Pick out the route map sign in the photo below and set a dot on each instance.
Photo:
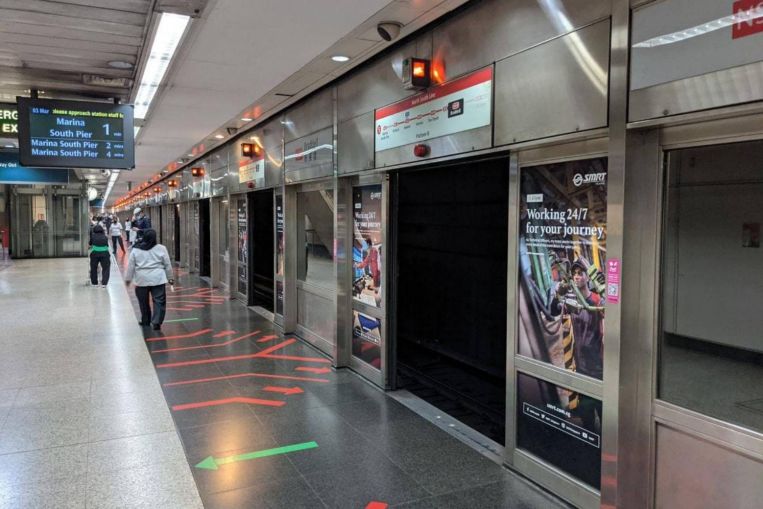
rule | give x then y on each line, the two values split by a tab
453	107
72	134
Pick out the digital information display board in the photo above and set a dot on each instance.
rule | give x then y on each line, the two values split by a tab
73	134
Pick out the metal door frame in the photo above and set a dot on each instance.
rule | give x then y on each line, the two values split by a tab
535	468
291	284
233	214
217	269
345	303
642	411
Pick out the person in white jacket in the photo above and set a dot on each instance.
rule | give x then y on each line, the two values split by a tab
115	230
150	268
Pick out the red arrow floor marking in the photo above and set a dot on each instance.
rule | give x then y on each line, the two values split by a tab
377	505
224	333
182	336
264	354
227	401
247	375
224	343
296	358
266	338
313	370
284	390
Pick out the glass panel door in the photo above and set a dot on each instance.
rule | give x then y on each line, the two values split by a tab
711	348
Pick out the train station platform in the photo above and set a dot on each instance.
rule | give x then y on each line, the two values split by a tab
218	409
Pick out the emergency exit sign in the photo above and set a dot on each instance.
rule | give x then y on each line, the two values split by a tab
9	121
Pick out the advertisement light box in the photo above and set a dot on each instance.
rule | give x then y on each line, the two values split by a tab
73	134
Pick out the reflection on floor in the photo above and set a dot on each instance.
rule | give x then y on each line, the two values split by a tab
727	388
266	422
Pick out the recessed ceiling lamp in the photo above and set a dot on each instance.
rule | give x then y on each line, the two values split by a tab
340	58
246	119
120	64
219	136
168	34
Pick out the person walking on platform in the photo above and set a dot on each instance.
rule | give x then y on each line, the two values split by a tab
116	235
140	223
150	268
99	255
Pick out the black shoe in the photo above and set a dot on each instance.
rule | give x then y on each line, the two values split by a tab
144	324
156	326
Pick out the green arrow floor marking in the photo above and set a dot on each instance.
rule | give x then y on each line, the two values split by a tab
181	320
212	463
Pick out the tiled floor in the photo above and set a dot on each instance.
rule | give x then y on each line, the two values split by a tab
101	433
83	422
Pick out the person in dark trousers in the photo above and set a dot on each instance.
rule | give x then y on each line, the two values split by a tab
150	268
140	223
99	254
116	235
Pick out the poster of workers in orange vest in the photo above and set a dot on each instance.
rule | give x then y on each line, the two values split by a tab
561	295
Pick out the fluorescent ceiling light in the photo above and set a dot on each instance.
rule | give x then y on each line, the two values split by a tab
340	58
747	16
219	136
112	179
246	119
168	34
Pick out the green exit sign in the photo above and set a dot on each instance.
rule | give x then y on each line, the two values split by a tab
9	121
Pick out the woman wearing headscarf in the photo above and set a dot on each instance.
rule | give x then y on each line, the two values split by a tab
99	254
149	267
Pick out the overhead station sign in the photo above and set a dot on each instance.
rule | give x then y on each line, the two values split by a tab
9	121
69	134
453	107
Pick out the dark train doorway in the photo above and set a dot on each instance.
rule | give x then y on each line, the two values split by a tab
205	245
450	249
262	265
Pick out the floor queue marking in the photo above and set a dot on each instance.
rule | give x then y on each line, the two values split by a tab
213	345
224	333
267	338
180	320
247	375
228	401
264	354
377	505
212	463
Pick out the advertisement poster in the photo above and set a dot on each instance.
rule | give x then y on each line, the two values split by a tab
367	244
562	258
561	427
279	235
243	243
366	338
456	106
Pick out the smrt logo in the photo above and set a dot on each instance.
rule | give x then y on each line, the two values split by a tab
590	178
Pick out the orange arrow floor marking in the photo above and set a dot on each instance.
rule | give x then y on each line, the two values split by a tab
224	333
228	401
267	338
182	336
224	343
284	390
264	354
313	370
247	375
